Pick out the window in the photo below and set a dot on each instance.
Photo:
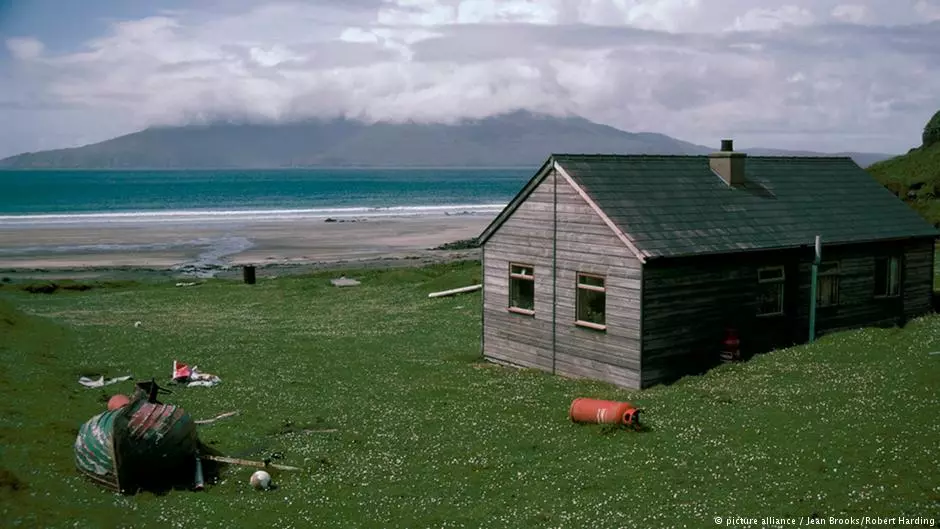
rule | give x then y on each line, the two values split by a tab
827	285
522	288
592	302
887	276
770	283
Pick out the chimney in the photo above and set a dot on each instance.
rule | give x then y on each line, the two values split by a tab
727	164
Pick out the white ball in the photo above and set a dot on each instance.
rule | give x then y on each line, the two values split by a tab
261	480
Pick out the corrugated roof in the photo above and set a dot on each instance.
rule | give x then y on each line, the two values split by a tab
671	206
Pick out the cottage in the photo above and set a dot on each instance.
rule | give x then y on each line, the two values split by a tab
631	269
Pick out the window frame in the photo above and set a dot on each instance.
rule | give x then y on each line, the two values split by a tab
781	284
577	301
899	279
833	274
520	276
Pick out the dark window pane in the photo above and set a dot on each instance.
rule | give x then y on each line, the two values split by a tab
770	298
523	270
592	306
591	280
522	293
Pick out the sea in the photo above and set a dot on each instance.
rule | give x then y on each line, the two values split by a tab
91	201
51	197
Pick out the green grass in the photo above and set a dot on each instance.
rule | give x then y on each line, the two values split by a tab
428	436
917	171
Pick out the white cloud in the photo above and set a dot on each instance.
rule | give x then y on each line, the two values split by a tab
929	9
762	19
24	48
778	79
852	13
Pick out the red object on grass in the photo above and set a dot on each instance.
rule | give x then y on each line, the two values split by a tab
118	401
596	411
181	371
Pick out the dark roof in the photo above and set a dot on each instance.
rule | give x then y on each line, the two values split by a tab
670	206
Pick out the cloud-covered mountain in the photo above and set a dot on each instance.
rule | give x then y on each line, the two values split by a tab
517	139
827	75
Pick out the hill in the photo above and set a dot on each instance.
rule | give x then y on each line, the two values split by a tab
517	139
915	177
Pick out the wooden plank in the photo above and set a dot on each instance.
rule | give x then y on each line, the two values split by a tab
623	359
581	368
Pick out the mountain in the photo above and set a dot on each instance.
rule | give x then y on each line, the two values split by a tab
517	139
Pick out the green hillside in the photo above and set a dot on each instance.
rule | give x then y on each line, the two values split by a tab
915	176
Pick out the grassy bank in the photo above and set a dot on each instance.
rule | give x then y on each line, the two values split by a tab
428	436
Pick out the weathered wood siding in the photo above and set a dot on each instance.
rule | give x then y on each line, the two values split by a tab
583	244
857	305
524	238
918	278
688	303
586	244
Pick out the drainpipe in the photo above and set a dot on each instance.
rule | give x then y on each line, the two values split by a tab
554	261
812	292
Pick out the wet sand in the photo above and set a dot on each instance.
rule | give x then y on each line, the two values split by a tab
221	245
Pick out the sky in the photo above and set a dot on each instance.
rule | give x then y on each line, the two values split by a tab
825	75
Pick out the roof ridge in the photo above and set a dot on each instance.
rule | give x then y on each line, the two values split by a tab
674	156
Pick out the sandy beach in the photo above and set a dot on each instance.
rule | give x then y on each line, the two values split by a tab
190	247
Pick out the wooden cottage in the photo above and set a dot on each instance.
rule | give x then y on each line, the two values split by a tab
631	269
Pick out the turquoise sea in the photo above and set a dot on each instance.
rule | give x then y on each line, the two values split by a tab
86	196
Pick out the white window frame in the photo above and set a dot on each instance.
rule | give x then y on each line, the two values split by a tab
832	274
781	285
521	276
888	277
577	302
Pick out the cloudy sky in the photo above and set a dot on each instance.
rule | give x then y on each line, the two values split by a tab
816	74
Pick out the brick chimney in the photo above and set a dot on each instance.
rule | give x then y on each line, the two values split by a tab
729	165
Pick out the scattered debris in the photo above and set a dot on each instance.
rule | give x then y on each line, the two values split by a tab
344	282
99	382
330	219
328	430
455	291
260	480
191	376
217	417
189	284
245	462
934	353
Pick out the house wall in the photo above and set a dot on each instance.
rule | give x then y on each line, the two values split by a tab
524	238
688	303
857	306
584	244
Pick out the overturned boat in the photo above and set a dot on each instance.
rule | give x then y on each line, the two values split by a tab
142	444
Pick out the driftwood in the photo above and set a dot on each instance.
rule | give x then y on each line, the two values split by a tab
246	462
217	417
454	291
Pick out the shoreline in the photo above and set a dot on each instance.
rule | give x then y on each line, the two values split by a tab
220	249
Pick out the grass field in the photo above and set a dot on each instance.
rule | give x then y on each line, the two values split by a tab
428	436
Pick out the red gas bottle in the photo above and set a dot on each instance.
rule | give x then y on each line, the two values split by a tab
596	411
731	346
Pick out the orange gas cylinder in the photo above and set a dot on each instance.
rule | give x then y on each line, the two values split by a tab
117	401
596	411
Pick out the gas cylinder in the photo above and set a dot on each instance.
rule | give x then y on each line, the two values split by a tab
584	410
730	350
